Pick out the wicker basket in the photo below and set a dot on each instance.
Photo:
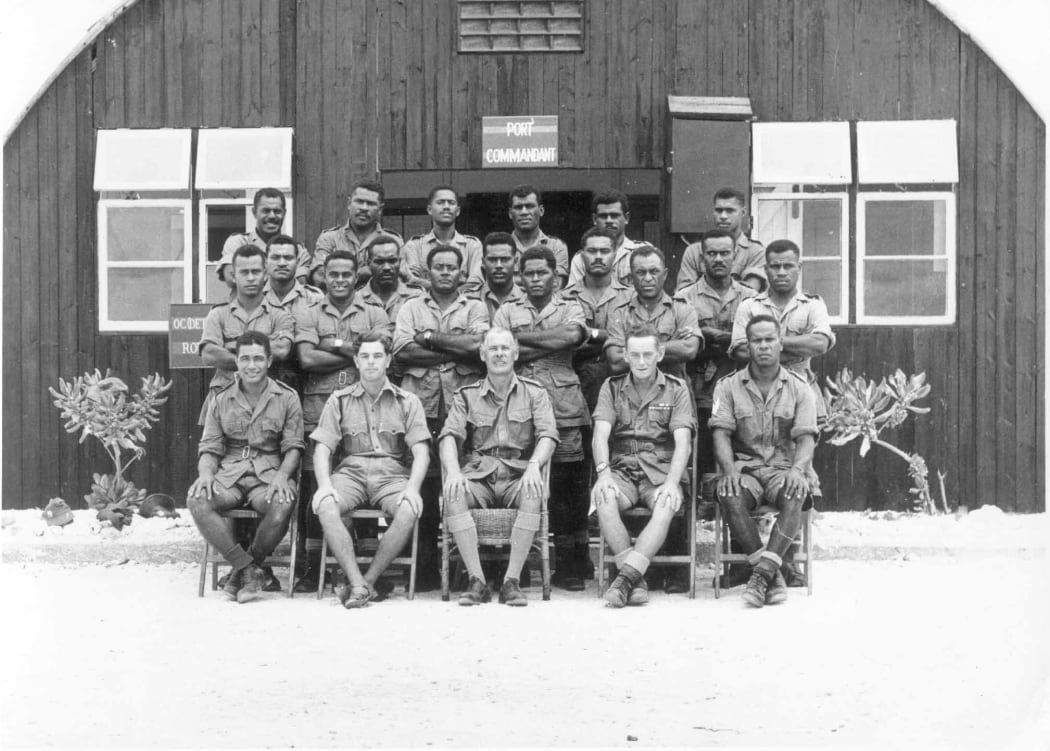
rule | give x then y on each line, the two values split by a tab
494	522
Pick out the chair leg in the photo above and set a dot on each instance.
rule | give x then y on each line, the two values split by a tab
545	553
601	562
412	566
324	567
719	542
293	529
807	546
204	570
692	548
444	560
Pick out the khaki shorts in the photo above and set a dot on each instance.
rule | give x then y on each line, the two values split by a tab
501	489
364	487
248	492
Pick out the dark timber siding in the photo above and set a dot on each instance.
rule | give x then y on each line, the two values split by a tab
376	84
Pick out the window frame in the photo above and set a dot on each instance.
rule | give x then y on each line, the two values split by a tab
842	196
204	135
107	139
950	256
105	324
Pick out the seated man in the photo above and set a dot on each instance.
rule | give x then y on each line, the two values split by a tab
764	427
505	427
649	417
253	436
377	424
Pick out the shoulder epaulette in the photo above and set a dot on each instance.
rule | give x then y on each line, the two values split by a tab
799	376
531	382
814	296
284	386
618	376
474	385
333	229
675	379
471	237
226	387
415	237
218	305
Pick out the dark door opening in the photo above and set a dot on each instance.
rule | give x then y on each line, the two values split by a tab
567	215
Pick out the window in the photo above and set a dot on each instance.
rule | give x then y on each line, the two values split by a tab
520	26
899	266
147	255
145	258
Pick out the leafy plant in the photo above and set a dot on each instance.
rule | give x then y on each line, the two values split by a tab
859	408
101	406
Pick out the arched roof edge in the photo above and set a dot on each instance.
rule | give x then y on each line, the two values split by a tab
90	36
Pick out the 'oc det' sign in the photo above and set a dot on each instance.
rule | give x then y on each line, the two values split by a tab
185	325
528	141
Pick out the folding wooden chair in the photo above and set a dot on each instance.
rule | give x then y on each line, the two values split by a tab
212	556
366	552
724	557
494	527
687	512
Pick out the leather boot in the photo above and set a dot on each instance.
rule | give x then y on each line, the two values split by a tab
582	555
565	576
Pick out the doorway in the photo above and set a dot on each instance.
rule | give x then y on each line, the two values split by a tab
567	215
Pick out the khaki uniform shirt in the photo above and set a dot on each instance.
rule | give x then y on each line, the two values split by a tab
385	428
553	371
238	239
324	321
298	299
417	248
621	267
764	430
597	305
393	304
673	318
493	431
436	385
227	321
713	312
804	314
342	237
556	246
493	303
251	441
643	425
748	260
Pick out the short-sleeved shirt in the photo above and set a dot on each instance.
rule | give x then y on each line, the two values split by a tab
228	321
492	431
804	314
553	371
418	247
298	299
392	305
749	259
673	318
342	237
236	240
597	305
492	302
621	265
556	246
251	441
714	312
643	424
325	321
365	428
435	385
764	430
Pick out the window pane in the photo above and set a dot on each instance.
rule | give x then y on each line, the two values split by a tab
143	294
905	227
223	221
142	160
215	291
801	153
907	151
814	225
824	278
145	233
244	158
905	288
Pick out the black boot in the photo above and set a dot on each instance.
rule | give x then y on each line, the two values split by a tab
582	555
565	575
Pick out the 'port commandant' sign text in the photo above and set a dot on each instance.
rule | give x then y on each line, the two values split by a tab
528	141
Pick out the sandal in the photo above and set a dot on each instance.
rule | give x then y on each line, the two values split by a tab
356	597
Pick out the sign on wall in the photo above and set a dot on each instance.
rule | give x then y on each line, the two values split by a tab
526	141
185	325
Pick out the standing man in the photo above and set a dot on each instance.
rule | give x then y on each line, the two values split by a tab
504	426
443	208
364	207
526	210
268	208
246	311
548	329
643	428
436	341
326	340
282	290
386	448
611	211
748	259
253	436
764	424
499	259
673	318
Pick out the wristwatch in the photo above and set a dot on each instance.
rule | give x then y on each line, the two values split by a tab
426	339
338	343
601	468
595	333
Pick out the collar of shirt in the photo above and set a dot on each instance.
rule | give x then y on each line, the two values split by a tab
236	309
704	289
516	293
541	239
798	299
749	383
357	390
609	292
367	293
329	308
634	302
657	388
457	239
351	236
488	389
431	303
268	392
269	296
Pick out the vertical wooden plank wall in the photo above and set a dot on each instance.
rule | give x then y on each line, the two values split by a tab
377	84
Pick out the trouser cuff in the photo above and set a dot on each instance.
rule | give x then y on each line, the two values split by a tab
637	561
753	559
776	559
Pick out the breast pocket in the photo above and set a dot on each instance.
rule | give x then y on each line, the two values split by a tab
271	428
522	430
659	415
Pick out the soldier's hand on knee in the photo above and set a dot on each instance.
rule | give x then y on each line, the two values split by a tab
532	482
324	492
669	494
279	490
795	484
414	501
202	486
729	485
455	488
